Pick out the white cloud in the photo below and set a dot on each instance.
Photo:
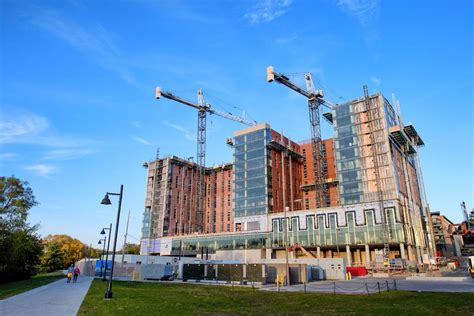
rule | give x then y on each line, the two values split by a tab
26	125
267	10
187	134
376	81
30	128
67	153
42	170
94	42
363	10
141	140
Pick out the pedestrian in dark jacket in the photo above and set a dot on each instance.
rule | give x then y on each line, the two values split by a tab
76	272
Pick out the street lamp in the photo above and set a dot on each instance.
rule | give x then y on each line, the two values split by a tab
102	257
106	201
108	244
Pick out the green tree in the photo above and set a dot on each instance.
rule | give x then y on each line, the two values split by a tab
53	258
20	251
16	198
20	246
132	249
73	249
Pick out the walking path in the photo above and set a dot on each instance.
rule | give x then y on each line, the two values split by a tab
57	298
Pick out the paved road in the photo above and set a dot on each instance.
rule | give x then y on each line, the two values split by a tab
358	286
57	298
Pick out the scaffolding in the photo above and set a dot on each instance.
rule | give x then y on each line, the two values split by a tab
155	189
372	117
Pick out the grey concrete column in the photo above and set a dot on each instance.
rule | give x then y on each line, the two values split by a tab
348	256
402	251
418	255
410	253
358	258
367	255
318	252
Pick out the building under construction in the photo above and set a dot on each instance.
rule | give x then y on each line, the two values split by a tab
372	199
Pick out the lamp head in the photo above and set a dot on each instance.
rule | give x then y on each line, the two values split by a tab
106	200
100	242
102	232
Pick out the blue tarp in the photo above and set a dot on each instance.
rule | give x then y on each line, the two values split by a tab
98	263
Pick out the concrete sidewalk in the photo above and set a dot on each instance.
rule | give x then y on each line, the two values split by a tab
57	298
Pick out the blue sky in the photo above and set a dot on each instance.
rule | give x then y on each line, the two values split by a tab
78	114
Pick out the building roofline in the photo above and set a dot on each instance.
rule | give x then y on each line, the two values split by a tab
251	129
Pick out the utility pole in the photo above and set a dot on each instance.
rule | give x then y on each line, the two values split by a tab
287	268
125	237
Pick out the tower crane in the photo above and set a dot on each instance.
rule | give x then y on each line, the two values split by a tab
203	108
315	100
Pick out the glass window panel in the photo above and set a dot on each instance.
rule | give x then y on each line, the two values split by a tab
343	109
255	153
256	145
255	163
255	173
344	121
250	137
348	153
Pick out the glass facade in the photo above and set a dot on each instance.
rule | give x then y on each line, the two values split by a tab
361	143
229	242
250	173
316	233
347	155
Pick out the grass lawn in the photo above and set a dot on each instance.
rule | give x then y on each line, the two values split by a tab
133	298
17	287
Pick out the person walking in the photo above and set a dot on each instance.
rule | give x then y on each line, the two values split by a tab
76	272
70	271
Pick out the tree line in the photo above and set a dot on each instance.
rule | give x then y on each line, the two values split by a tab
23	253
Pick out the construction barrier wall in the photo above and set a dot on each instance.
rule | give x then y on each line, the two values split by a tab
193	271
224	272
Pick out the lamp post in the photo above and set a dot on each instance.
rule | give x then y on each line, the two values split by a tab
108	244
337	241
106	201
102	257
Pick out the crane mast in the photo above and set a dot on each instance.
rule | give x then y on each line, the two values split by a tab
203	108
315	100
201	161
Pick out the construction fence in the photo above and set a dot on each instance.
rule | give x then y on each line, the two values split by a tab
265	273
258	273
